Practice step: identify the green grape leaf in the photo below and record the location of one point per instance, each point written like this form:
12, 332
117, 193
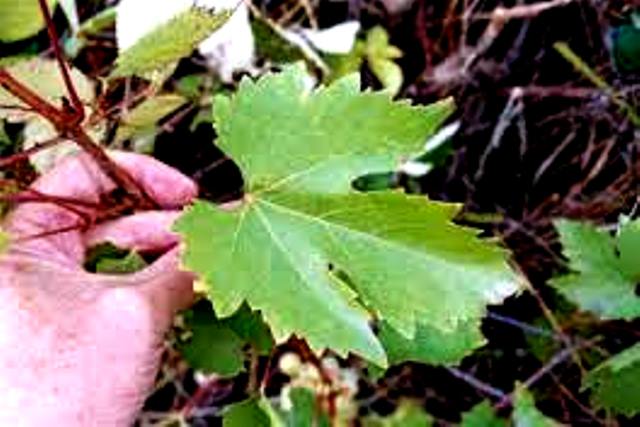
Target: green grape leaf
247, 413
107, 258
482, 415
525, 413
625, 47
169, 42
304, 411
143, 118
98, 22
615, 384
431, 345
20, 19
629, 249
250, 327
600, 281
130, 263
342, 65
272, 45
216, 345
407, 414
380, 57
301, 228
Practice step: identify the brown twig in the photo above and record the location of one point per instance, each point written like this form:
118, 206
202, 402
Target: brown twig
67, 122
25, 154
64, 70
68, 127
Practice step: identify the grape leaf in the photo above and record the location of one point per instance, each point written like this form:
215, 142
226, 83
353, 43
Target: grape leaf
144, 117
615, 384
301, 223
272, 45
629, 248
247, 413
216, 345
380, 57
601, 281
407, 414
525, 413
169, 42
304, 411
109, 259
20, 19
482, 415
250, 327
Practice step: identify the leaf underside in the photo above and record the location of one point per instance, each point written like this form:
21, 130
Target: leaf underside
317, 258
169, 42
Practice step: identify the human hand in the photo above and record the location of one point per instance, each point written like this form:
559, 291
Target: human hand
82, 349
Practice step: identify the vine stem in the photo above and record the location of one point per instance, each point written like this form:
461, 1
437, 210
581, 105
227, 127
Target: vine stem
67, 121
67, 125
64, 70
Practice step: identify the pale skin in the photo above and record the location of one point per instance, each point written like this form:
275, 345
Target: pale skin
82, 349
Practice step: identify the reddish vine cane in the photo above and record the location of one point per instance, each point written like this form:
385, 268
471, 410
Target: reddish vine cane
67, 120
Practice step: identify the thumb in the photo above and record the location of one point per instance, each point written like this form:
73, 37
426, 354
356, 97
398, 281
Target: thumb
163, 284
166, 288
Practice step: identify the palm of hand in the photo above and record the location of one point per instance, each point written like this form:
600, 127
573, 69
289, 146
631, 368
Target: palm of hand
81, 348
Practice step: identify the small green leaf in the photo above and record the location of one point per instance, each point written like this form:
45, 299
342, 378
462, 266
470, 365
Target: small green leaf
107, 258
629, 248
216, 345
304, 411
625, 47
20, 19
250, 327
482, 415
272, 45
169, 42
407, 414
343, 65
525, 413
213, 346
244, 414
98, 22
615, 384
301, 222
600, 281
143, 118
131, 263
380, 57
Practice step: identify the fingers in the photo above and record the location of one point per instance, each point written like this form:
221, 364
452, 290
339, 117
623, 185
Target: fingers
143, 232
166, 185
80, 178
168, 289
